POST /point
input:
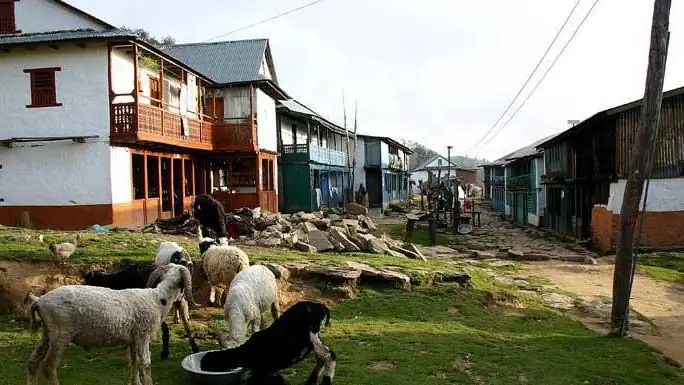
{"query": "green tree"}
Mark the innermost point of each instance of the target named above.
(146, 36)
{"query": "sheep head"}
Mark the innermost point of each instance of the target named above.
(182, 257)
(206, 243)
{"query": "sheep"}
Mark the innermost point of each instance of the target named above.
(220, 264)
(290, 338)
(62, 251)
(140, 276)
(171, 252)
(252, 292)
(211, 216)
(91, 316)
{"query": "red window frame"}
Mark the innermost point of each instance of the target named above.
(43, 87)
(8, 18)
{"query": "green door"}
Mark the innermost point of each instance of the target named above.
(296, 188)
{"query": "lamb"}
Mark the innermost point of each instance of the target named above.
(290, 338)
(62, 251)
(252, 292)
(140, 276)
(91, 316)
(171, 252)
(211, 216)
(221, 263)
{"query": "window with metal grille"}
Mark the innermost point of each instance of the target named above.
(43, 88)
(7, 20)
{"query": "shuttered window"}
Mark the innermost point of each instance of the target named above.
(43, 87)
(7, 20)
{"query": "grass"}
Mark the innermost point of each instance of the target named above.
(420, 235)
(666, 266)
(432, 336)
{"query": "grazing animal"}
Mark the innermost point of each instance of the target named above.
(252, 292)
(171, 252)
(290, 338)
(138, 276)
(62, 251)
(211, 216)
(221, 263)
(91, 316)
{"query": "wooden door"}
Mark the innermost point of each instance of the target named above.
(155, 92)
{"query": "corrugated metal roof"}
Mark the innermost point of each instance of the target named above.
(529, 150)
(223, 62)
(297, 107)
(74, 34)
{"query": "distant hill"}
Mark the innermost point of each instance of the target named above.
(422, 154)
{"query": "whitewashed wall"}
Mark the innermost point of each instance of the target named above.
(266, 122)
(122, 75)
(286, 130)
(120, 170)
(82, 88)
(54, 174)
(45, 15)
(663, 195)
(264, 70)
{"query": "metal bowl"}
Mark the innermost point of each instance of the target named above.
(464, 229)
(191, 365)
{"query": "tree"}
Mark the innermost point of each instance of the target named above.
(146, 36)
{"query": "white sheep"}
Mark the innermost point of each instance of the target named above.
(92, 316)
(252, 292)
(172, 252)
(220, 263)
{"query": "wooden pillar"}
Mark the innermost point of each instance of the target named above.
(172, 185)
(136, 90)
(161, 97)
(159, 185)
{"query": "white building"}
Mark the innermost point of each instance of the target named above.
(101, 127)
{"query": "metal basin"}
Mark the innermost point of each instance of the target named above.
(191, 365)
(464, 229)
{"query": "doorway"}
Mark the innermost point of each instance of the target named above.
(374, 187)
(166, 185)
(177, 187)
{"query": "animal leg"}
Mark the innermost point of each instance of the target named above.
(176, 313)
(142, 349)
(52, 358)
(275, 310)
(134, 364)
(165, 341)
(325, 360)
(212, 295)
(37, 358)
(185, 317)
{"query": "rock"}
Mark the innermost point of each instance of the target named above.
(309, 216)
(250, 242)
(376, 245)
(370, 225)
(21, 238)
(285, 225)
(352, 225)
(271, 241)
(578, 259)
(372, 274)
(307, 227)
(319, 240)
(415, 250)
(295, 269)
(590, 260)
(558, 301)
(478, 254)
(290, 239)
(537, 257)
(301, 235)
(301, 246)
(516, 254)
(263, 222)
(505, 280)
(338, 275)
(321, 223)
(336, 244)
(334, 217)
(340, 236)
(355, 209)
(502, 263)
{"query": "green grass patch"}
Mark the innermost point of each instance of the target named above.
(666, 266)
(431, 336)
(420, 235)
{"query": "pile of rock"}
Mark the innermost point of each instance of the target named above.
(321, 232)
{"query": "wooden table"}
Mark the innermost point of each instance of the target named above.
(474, 214)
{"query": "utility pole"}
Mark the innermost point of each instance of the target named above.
(449, 181)
(639, 164)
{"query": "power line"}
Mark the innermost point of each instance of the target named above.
(572, 11)
(267, 20)
(545, 73)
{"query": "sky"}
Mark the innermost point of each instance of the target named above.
(439, 72)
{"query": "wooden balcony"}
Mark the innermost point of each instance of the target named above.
(520, 182)
(303, 153)
(133, 122)
(239, 134)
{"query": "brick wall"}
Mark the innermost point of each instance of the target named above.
(660, 229)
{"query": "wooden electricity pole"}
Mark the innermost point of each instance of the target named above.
(639, 164)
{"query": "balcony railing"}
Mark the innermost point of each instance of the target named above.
(497, 180)
(311, 152)
(238, 134)
(519, 182)
(141, 122)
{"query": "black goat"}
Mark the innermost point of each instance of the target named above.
(135, 276)
(289, 339)
(211, 216)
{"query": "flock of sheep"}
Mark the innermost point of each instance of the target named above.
(129, 306)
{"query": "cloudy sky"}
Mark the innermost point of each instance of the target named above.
(438, 72)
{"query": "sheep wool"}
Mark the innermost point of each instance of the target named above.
(170, 252)
(252, 292)
(221, 263)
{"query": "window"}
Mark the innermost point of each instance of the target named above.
(7, 21)
(189, 185)
(267, 175)
(155, 92)
(43, 89)
(138, 173)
